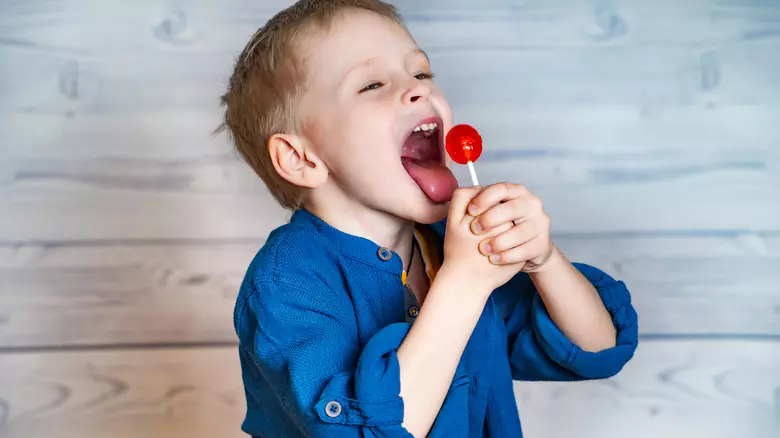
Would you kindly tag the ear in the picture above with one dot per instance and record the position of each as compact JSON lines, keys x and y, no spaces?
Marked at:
{"x":296,"y":162}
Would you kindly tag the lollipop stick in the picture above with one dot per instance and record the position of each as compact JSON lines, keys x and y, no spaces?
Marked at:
{"x":473,"y":174}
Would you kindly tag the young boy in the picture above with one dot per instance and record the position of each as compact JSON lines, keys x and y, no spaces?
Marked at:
{"x":359,"y":317}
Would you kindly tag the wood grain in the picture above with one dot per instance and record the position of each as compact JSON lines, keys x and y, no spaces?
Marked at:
{"x":138,"y":198}
{"x":670,"y":389}
{"x":649,"y":129}
{"x":692,"y":389}
{"x":169,"y":292}
{"x":669,"y":112}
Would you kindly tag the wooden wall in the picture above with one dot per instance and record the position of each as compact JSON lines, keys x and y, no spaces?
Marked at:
{"x":650,"y":129}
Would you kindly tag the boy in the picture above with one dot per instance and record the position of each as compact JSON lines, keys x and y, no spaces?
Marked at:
{"x":361,"y":317}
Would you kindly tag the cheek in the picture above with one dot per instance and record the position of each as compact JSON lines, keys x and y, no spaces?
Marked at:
{"x":443,"y":108}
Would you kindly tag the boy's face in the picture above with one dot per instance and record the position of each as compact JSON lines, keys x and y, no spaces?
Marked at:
{"x":376,"y":119}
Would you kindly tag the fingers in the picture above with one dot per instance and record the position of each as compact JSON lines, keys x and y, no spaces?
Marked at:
{"x":522,"y":253}
{"x":459,"y":203}
{"x":495,"y":194}
{"x":513,"y":237}
{"x":500,"y":214}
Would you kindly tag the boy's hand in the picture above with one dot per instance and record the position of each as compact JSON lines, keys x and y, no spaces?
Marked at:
{"x":462,"y":256}
{"x":528,"y":242}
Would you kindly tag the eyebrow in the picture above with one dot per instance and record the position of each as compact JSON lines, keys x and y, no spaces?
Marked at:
{"x":372,"y":60}
{"x":363,"y":64}
{"x":422,"y":52}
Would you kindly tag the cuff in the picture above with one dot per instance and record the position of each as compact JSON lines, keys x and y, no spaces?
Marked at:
{"x":370,"y":394}
{"x":603,"y":364}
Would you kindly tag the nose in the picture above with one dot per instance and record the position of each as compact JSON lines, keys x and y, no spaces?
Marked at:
{"x":417,"y":92}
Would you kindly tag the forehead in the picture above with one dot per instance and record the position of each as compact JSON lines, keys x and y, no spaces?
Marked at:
{"x":353,"y":38}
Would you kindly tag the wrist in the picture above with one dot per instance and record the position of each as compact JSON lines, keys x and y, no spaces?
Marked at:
{"x":462,"y":280}
{"x":554,"y":262}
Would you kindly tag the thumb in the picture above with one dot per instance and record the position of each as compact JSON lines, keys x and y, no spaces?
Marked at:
{"x":460,"y":201}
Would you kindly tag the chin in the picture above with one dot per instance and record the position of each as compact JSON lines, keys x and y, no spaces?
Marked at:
{"x":435,"y":213}
{"x":422,"y":210}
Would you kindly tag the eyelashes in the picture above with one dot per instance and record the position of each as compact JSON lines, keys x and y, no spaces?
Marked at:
{"x":371,"y":86}
{"x":425,"y":76}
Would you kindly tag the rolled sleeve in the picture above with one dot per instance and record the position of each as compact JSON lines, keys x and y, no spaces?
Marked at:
{"x":538,"y":350}
{"x":605,"y":363}
{"x":309,"y":365}
{"x":376,"y":381}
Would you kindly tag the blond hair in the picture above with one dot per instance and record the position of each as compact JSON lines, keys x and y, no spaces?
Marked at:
{"x":268,"y":78}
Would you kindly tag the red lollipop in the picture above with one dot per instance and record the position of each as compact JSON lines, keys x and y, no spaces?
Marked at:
{"x":464,"y":146}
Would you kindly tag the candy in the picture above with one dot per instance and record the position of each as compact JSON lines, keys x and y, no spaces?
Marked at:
{"x":464,"y":146}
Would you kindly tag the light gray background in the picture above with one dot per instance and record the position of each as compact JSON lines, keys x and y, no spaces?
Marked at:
{"x":651,"y":130}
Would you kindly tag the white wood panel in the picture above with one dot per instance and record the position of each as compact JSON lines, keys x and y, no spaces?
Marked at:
{"x":691,"y":389}
{"x":169,"y":293}
{"x":671,"y":389}
{"x":142,"y":199}
{"x":182,"y":25}
{"x":650,"y":130}
{"x":651,"y":77}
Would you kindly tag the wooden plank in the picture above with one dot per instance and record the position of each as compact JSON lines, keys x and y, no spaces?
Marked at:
{"x":699,"y":389}
{"x":138,"y":198}
{"x":669,"y":389}
{"x":145,"y":294}
{"x":167,"y":25}
{"x":167,"y":55}
{"x":168,"y":293}
{"x":136,"y":393}
{"x":184,"y":135}
{"x":652,"y":77}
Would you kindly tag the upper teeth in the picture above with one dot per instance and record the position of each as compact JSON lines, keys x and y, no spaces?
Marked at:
{"x":426,"y":127}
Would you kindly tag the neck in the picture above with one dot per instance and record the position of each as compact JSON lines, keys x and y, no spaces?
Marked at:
{"x":351,"y":217}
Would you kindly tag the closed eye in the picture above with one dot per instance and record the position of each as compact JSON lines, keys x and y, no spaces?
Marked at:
{"x":424,"y":76}
{"x":377,"y":85}
{"x":371,"y":86}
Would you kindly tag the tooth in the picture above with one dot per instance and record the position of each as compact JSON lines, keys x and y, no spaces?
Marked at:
{"x":417,"y":129}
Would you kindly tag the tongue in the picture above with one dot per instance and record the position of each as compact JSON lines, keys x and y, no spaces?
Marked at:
{"x":434,"y":179}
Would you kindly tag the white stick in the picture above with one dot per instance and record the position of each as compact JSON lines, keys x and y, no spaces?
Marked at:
{"x":473,"y":173}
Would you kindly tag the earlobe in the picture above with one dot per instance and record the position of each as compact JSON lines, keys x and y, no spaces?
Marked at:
{"x":294,"y":161}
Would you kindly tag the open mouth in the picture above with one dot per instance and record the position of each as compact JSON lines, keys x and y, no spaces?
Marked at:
{"x":423,"y":158}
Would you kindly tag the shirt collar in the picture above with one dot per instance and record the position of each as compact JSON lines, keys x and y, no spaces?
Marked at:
{"x":366,"y":251}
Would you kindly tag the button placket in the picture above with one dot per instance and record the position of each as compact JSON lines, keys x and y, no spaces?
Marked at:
{"x":410,"y":304}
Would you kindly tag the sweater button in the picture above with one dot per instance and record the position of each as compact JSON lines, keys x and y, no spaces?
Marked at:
{"x":384,"y":254}
{"x":333,"y":409}
{"x":414,"y":311}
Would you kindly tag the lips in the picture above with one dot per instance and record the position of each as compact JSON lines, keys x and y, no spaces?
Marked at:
{"x":422,"y":156}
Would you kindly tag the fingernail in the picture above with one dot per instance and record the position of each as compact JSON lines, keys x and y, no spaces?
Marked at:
{"x":473,"y":209}
{"x":494,"y":258}
{"x":477,"y":227}
{"x":486,"y":249}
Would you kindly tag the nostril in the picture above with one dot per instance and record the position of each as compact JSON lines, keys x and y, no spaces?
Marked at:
{"x":415,"y":98}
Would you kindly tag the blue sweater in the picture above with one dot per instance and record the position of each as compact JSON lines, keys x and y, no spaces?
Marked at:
{"x":321,"y":313}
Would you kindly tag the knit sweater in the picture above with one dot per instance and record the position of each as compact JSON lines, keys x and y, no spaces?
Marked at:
{"x":321,"y":314}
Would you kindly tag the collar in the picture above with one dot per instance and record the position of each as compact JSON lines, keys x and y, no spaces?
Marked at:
{"x":366,"y":251}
